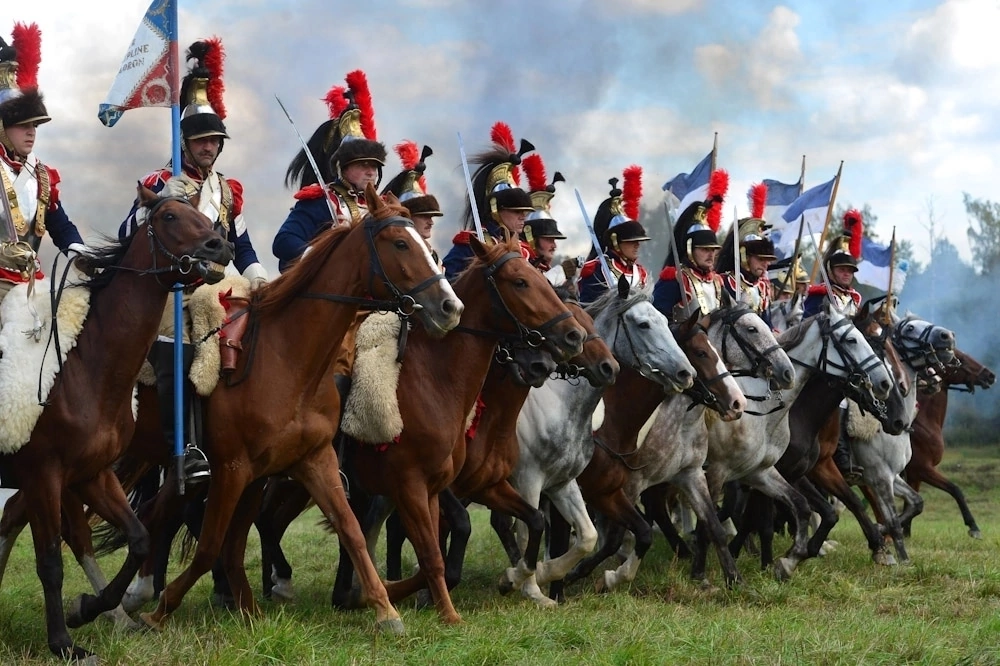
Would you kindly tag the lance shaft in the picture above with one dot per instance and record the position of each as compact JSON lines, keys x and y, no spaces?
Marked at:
{"x":312,"y":162}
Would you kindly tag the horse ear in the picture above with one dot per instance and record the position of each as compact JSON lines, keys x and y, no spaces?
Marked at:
{"x":393,"y":200}
{"x":726,"y":301}
{"x":692,"y":320}
{"x":865,"y":311}
{"x":623,"y":287}
{"x":478,"y":247}
{"x":372,"y":198}
{"x":146,"y":196}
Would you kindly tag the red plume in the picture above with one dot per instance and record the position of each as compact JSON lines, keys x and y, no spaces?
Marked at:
{"x":534,"y":169}
{"x":27,"y":41}
{"x":409,"y":155}
{"x":358,"y":83}
{"x":758,"y":199}
{"x":215,"y":57}
{"x":854,"y":226}
{"x":631,"y":190}
{"x":335,"y":101}
{"x":502,"y":135}
{"x":718,"y":184}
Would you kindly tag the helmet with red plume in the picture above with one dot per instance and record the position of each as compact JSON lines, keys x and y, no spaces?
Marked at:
{"x":846,"y":250}
{"x":540,"y":223}
{"x":20,"y":101}
{"x":201,"y":92}
{"x":615,"y":220}
{"x":410,"y":185}
{"x":496,"y":177}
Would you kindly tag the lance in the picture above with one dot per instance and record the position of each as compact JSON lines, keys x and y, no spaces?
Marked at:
{"x":608,"y":275}
{"x":472,"y":194}
{"x":675,"y":253}
{"x":892,"y":269}
{"x":822,"y":272}
{"x":312,"y":162}
{"x":738,"y":268}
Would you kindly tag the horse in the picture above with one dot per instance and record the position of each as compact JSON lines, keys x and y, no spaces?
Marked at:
{"x":814,"y":405}
{"x":87,"y":420}
{"x":927,"y":436}
{"x":296,"y":324}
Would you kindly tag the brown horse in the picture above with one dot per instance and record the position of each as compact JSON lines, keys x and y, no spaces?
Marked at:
{"x":87,"y":421}
{"x":927,"y":437}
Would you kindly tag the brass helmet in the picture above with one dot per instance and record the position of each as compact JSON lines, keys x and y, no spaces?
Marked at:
{"x":540,"y":223}
{"x":496,"y":180}
{"x":410,"y":185}
{"x":201,"y":92}
{"x":20,"y":100}
{"x":615,"y":220}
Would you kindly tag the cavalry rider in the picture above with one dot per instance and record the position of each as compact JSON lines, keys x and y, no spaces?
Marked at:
{"x":30,"y":205}
{"x":410,"y":187}
{"x":220,"y":199}
{"x":349,"y":157}
{"x":750,"y":268}
{"x":541,"y":231}
{"x":619,"y":234}
{"x":500,"y":202}
{"x":841,"y":263}
{"x":697,"y":249}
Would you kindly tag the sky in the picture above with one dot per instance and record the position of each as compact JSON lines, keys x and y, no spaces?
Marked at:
{"x":903,"y":93}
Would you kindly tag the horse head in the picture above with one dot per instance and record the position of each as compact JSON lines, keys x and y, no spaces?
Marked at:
{"x":892,"y":413}
{"x":747,"y":345}
{"x":597,"y":362}
{"x":639,"y":335}
{"x":183,"y":248}
{"x":968,"y":372}
{"x":921,"y":344}
{"x":523,"y":305}
{"x":403,"y":268}
{"x":715,"y":386}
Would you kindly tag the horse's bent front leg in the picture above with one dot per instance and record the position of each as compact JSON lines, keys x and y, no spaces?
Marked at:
{"x":770,"y":482}
{"x":568,"y":501}
{"x":15,"y":517}
{"x":826,"y":476}
{"x":694,"y":487}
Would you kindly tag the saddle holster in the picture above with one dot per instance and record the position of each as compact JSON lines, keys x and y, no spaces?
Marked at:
{"x":231,"y":334}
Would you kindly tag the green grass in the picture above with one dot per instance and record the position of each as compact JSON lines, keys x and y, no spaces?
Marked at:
{"x":841,"y":609}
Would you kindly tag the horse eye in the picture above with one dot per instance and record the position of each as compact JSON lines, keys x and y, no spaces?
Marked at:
{"x":702,"y":354}
{"x":521,"y":283}
{"x":644,"y":325}
{"x":752,"y":329}
{"x":401,"y":245}
{"x":909,"y":328}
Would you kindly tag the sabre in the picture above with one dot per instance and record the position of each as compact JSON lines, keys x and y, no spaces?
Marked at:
{"x":676,"y":255}
{"x":822,"y":271}
{"x":608,"y":276}
{"x":738,"y":272}
{"x":472,"y":194}
{"x":795,"y":258}
{"x":312,"y":162}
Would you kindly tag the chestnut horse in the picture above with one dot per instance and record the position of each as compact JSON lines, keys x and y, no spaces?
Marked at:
{"x":927,"y":436}
{"x":87,"y":420}
{"x":296,"y":325}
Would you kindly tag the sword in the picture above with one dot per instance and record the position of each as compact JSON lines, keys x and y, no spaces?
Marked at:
{"x":608,"y":275}
{"x":312,"y":162}
{"x":795,"y":258}
{"x":822,"y":271}
{"x":676,"y":255}
{"x":473,"y":206}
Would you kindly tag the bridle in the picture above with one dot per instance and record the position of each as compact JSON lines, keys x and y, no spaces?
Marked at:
{"x":919,"y":352}
{"x":761,"y":363}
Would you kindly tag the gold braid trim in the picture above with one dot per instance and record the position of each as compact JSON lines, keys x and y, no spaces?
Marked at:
{"x":44,"y":194}
{"x":226,"y":204}
{"x":17,"y":218}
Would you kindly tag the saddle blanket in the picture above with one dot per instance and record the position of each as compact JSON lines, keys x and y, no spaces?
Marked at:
{"x":861,"y":426}
{"x":21,"y":356}
{"x":371,"y":414}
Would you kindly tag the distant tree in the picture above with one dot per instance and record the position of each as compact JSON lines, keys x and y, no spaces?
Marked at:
{"x":984,"y":232}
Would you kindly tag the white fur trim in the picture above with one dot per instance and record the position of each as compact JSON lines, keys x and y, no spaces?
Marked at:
{"x":372,"y":411}
{"x":861,"y":426}
{"x":207,"y":314}
{"x":22,"y":356}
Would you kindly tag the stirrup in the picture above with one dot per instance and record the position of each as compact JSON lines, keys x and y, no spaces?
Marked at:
{"x":196,"y":466}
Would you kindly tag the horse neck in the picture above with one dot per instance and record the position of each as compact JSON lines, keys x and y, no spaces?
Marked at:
{"x":935,"y":406}
{"x":818,"y":399}
{"x":504,"y":397}
{"x":574,"y":402}
{"x":628,"y":404}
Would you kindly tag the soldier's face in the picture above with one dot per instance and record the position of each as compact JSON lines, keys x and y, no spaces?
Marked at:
{"x":204,"y":151}
{"x":546,"y":249}
{"x":704,"y":257}
{"x":359,"y":174}
{"x":757,"y":265}
{"x":513,"y":220}
{"x":843,"y":276}
{"x":423,"y":225}
{"x":629,"y":250}
{"x":22,"y":137}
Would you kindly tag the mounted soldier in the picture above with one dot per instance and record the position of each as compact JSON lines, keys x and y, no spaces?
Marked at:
{"x":410,"y":187}
{"x":697,"y":248}
{"x":541,"y":231}
{"x":840,"y":260}
{"x":787,"y":292}
{"x":349,"y":157}
{"x":31,"y":205}
{"x":756,"y":252}
{"x":619,"y":234}
{"x":220,"y":198}
{"x":500,"y":201}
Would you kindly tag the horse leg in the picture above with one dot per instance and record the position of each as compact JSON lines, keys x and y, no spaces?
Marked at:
{"x":15,"y":517}
{"x":460,"y":527}
{"x":344,"y":595}
{"x":558,"y":546}
{"x":694,"y":487}
{"x":232,"y":556}
{"x":224,"y":492}
{"x":503,"y":525}
{"x":282,"y":504}
{"x":913,"y":502}
{"x":618,"y":508}
{"x":879,"y":490}
{"x":104,"y":494}
{"x":826,"y":476}
{"x":771,"y":483}
{"x":654,"y":499}
{"x":828,"y":518}
{"x":420,"y":518}
{"x":395,"y":536}
{"x":940,"y":481}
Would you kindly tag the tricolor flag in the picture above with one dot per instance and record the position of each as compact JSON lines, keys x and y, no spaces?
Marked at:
{"x":779,"y":197}
{"x":686,"y":188}
{"x":809,"y":209}
{"x":874,"y":267}
{"x":145,"y":77}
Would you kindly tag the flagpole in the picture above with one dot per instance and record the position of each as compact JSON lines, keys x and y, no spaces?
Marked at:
{"x":715,"y":151}
{"x":826,"y":224}
{"x":175,"y":162}
{"x":802,"y":177}
{"x":892,"y":270}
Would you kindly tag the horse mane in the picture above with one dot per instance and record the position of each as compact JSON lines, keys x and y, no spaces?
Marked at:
{"x":493,"y":252}
{"x":99,"y":261}
{"x":277,"y":294}
{"x":609,"y":301}
{"x":793,"y":336}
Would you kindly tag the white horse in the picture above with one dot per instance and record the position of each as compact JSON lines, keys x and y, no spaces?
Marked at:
{"x":676,"y":444}
{"x":746,"y":450}
{"x":883,"y":456}
{"x":554,"y":427}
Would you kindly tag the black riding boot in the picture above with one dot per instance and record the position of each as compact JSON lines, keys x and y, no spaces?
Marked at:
{"x":161,"y":356}
{"x":343,"y":384}
{"x":842,"y":456}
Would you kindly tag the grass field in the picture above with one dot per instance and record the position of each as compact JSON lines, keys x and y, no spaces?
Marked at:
{"x":842,"y":609}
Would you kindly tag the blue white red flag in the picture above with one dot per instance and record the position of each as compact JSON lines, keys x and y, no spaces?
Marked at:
{"x":145,"y":77}
{"x":874,"y":267}
{"x":686,"y":188}
{"x":810,"y":209}
{"x":779,"y":197}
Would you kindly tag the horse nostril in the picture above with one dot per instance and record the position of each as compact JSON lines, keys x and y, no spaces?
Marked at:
{"x":449,"y":306}
{"x":737,"y":406}
{"x":683,"y":374}
{"x":607,"y":369}
{"x":788,"y":375}
{"x":574,"y":338}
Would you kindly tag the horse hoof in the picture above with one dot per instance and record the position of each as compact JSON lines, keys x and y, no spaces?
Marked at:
{"x":423,"y":600}
{"x":604,"y":583}
{"x":393,"y":627}
{"x":151,"y":623}
{"x":121,"y":620}
{"x":783,"y":569}
{"x":74,"y":613}
{"x":506,"y":584}
{"x":884,"y":559}
{"x":133,"y":602}
{"x":77,"y":655}
{"x":975,"y":534}
{"x":545,"y":602}
{"x":223,"y":601}
{"x":283,"y":591}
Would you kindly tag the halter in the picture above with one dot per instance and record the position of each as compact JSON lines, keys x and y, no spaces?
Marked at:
{"x":572,"y":372}
{"x":182,"y":264}
{"x":761,"y":365}
{"x":919,"y":352}
{"x":700,"y":392}
{"x":531,"y":337}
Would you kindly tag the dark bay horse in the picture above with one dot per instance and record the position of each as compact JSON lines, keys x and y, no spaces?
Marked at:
{"x":87,"y":421}
{"x":927,"y":437}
